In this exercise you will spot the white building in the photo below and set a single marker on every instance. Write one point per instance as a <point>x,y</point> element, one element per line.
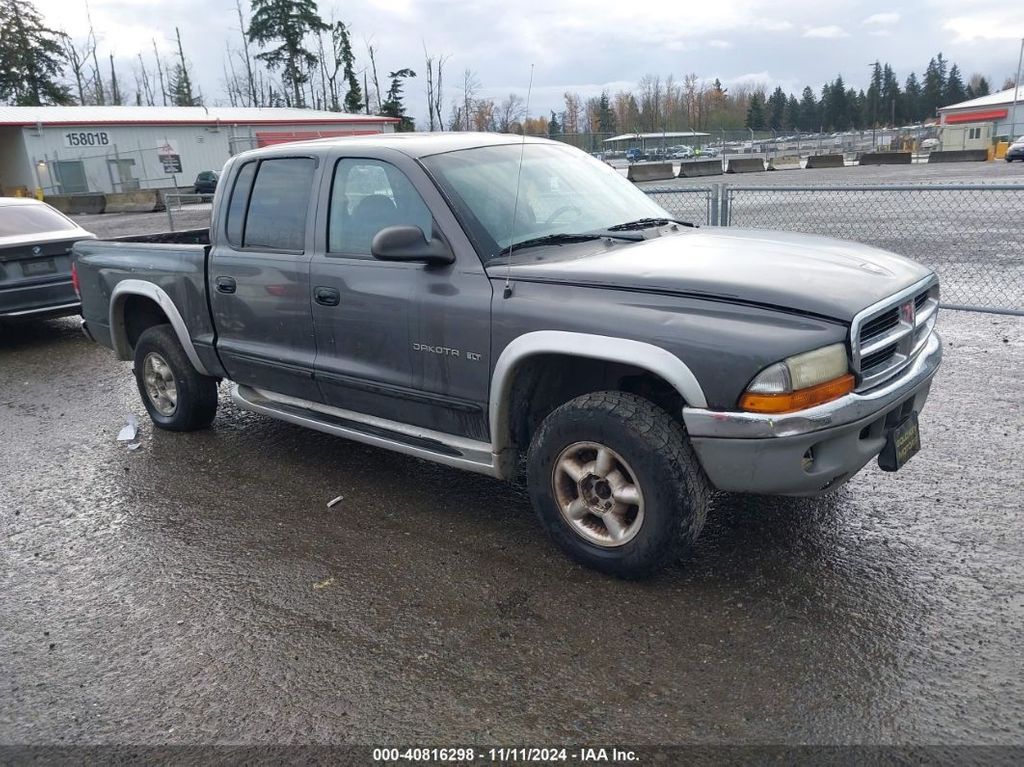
<point>65,150</point>
<point>974,124</point>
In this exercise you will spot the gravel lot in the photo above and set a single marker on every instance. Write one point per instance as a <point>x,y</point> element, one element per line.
<point>198,589</point>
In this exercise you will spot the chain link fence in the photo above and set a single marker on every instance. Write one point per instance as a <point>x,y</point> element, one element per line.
<point>188,211</point>
<point>972,235</point>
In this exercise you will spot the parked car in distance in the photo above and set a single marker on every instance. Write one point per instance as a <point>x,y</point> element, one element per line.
<point>373,288</point>
<point>1016,150</point>
<point>710,152</point>
<point>930,143</point>
<point>35,260</point>
<point>635,155</point>
<point>206,182</point>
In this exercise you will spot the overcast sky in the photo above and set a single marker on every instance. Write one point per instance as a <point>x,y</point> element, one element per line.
<point>588,45</point>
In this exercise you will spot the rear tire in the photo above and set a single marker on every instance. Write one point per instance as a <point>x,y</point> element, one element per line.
<point>616,483</point>
<point>177,397</point>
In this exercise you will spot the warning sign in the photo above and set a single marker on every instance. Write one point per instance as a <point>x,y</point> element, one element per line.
<point>169,157</point>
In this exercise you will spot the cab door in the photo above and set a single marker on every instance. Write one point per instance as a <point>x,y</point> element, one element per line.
<point>258,277</point>
<point>406,341</point>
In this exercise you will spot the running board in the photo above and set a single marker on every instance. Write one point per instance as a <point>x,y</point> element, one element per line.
<point>447,449</point>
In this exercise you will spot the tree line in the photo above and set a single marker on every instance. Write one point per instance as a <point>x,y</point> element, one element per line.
<point>287,54</point>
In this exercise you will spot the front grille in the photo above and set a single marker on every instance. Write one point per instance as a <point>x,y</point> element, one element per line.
<point>886,337</point>
<point>884,322</point>
<point>874,360</point>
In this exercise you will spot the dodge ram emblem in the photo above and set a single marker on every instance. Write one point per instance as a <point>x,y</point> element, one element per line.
<point>908,313</point>
<point>36,250</point>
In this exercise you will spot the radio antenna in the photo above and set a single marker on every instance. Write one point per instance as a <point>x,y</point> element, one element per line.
<point>515,204</point>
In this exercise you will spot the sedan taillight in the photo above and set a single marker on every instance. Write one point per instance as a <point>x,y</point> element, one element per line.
<point>74,279</point>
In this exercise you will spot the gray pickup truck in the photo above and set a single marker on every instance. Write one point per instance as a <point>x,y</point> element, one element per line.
<point>484,302</point>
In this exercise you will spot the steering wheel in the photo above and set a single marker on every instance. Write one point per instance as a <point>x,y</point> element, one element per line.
<point>564,209</point>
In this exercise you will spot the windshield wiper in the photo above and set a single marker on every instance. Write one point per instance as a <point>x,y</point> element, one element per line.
<point>647,223</point>
<point>566,237</point>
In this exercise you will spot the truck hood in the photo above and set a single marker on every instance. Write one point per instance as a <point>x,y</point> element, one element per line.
<point>794,272</point>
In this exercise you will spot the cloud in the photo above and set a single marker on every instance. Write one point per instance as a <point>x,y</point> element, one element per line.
<point>830,32</point>
<point>882,18</point>
<point>778,26</point>
<point>723,44</point>
<point>992,25</point>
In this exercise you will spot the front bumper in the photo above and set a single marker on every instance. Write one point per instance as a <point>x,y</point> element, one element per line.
<point>811,451</point>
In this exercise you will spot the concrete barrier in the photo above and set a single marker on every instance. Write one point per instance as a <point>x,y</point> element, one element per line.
<point>826,161</point>
<point>139,201</point>
<point>959,155</point>
<point>786,162</point>
<point>697,168</point>
<point>72,204</point>
<point>745,165</point>
<point>885,158</point>
<point>650,171</point>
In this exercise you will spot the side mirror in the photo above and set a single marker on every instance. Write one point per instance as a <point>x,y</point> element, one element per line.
<point>407,243</point>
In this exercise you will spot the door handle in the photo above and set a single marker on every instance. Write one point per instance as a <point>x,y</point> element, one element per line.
<point>225,284</point>
<point>326,296</point>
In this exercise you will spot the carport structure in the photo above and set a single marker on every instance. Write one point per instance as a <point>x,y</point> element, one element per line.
<point>645,141</point>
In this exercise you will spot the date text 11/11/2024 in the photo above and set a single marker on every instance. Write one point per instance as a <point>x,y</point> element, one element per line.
<point>463,755</point>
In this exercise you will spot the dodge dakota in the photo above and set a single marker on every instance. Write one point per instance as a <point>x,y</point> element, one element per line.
<point>499,304</point>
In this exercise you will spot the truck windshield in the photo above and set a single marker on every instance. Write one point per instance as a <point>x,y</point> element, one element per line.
<point>562,191</point>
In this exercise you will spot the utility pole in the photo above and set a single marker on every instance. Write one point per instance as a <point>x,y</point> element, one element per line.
<point>1016,91</point>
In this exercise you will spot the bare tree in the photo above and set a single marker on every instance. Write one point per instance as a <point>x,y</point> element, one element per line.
<point>435,95</point>
<point>144,84</point>
<point>470,86</point>
<point>510,113</point>
<point>573,113</point>
<point>376,82</point>
<point>247,57</point>
<point>160,74</point>
<point>77,58</point>
<point>96,73</point>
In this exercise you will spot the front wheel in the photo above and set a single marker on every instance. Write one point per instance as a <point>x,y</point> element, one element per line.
<point>616,483</point>
<point>176,395</point>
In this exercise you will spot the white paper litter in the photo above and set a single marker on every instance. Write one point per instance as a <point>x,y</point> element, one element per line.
<point>129,430</point>
<point>337,500</point>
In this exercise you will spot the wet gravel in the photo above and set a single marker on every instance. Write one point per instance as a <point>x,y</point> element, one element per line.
<point>198,589</point>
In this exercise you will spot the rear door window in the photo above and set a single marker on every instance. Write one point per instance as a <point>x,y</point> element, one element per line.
<point>275,217</point>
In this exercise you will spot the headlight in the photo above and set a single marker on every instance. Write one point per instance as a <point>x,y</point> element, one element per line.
<point>800,382</point>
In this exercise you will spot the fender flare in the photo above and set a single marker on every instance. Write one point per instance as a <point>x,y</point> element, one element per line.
<point>119,333</point>
<point>644,355</point>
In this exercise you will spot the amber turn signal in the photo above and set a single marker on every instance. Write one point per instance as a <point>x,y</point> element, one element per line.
<point>799,399</point>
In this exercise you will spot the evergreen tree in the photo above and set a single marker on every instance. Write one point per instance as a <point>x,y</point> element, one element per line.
<point>755,112</point>
<point>343,45</point>
<point>983,88</point>
<point>605,114</point>
<point>934,87</point>
<point>792,121</point>
<point>889,111</point>
<point>393,105</point>
<point>873,98</point>
<point>912,105</point>
<point>554,128</point>
<point>181,84</point>
<point>776,112</point>
<point>809,118</point>
<point>287,22</point>
<point>31,57</point>
<point>954,92</point>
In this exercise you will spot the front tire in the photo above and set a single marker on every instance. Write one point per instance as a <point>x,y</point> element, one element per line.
<point>616,483</point>
<point>177,397</point>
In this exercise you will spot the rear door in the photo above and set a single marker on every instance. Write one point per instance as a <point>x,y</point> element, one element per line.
<point>258,276</point>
